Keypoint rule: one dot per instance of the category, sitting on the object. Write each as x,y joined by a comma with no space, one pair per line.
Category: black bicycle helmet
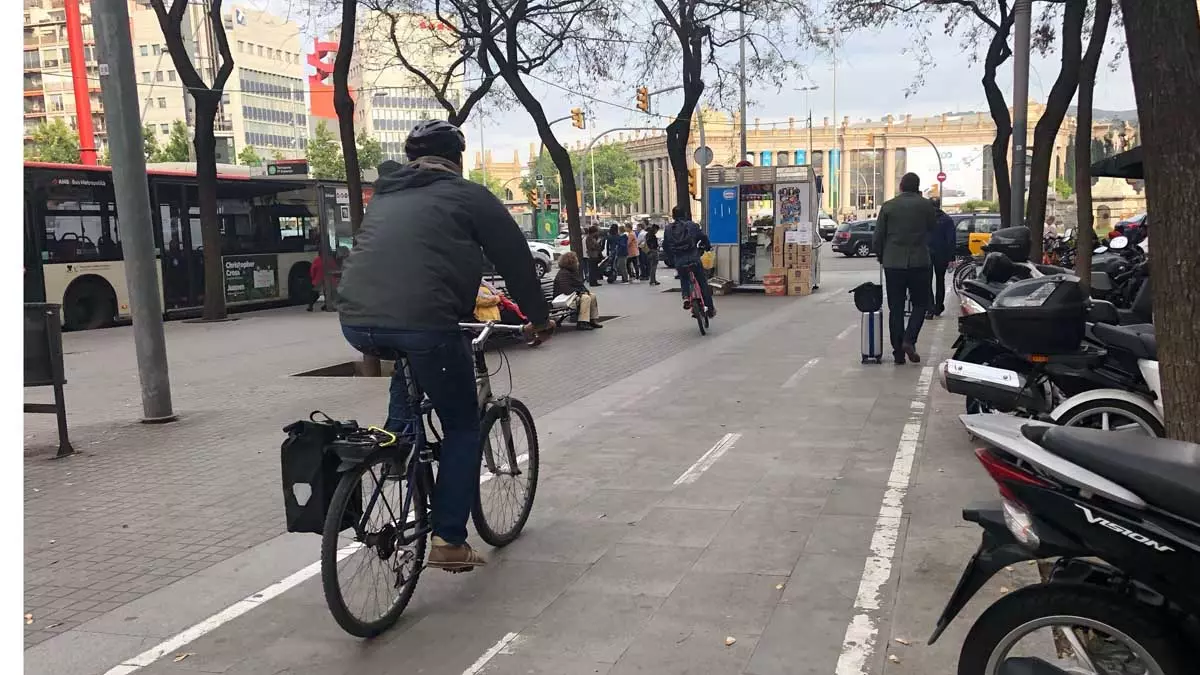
435,137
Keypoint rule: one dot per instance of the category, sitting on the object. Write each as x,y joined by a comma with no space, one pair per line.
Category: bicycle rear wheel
508,480
373,545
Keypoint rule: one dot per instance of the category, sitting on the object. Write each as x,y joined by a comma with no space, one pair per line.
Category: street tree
249,157
370,152
207,101
419,43
617,178
150,143
524,37
53,142
277,155
491,183
1163,40
694,34
178,147
1085,235
324,157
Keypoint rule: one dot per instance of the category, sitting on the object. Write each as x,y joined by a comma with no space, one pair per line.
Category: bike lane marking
707,459
862,632
502,646
795,378
240,607
846,332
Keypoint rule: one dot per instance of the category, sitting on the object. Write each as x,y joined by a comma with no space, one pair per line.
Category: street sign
704,155
941,176
540,181
288,168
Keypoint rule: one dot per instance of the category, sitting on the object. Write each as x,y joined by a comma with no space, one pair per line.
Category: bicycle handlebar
486,329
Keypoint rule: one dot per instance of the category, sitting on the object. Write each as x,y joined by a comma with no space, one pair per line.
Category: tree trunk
1085,236
1046,130
1164,59
206,183
998,53
343,103
680,129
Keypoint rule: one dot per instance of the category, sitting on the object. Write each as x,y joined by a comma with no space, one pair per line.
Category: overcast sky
872,74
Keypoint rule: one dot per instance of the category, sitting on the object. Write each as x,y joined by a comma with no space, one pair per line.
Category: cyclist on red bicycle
412,276
684,241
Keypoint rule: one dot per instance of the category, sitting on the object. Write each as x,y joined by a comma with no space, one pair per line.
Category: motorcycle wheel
1112,415
1102,632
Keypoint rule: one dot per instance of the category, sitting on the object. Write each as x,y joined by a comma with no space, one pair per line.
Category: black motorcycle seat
1162,472
1137,339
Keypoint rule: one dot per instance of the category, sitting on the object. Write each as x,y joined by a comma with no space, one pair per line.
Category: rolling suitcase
868,298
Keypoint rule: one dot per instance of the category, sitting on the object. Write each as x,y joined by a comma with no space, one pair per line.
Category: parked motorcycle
1120,518
1043,351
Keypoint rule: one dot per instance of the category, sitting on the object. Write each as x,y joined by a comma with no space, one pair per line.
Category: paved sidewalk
144,507
624,566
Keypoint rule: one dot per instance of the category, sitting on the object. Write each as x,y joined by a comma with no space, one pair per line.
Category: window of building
157,50
162,102
170,75
260,50
146,76
144,50
241,46
158,76
164,129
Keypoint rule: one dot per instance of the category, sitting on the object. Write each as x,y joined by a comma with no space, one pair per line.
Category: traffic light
532,196
643,99
871,139
577,118
692,187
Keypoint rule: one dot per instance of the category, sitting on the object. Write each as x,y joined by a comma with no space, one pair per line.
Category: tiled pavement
619,571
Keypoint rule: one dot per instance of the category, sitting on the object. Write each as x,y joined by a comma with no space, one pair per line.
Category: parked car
972,231
854,238
826,226
543,256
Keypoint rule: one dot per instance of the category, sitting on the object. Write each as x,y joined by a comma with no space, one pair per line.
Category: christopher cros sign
250,277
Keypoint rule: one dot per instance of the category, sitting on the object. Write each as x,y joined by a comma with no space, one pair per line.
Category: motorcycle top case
310,474
1014,242
1045,315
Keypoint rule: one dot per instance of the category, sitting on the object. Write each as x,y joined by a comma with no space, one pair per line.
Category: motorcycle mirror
1118,243
1100,249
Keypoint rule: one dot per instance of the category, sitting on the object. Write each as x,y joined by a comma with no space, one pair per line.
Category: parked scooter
1120,517
1044,360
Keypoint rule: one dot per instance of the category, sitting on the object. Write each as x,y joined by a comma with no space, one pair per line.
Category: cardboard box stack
791,259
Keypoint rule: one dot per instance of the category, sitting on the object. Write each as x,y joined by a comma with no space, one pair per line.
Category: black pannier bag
310,473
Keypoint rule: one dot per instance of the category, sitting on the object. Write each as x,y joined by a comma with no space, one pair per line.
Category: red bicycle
696,302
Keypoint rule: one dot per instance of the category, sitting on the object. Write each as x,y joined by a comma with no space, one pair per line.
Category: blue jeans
444,367
685,284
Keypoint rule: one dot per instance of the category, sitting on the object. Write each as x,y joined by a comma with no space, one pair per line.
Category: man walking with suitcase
902,233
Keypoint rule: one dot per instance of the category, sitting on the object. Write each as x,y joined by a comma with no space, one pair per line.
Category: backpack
679,240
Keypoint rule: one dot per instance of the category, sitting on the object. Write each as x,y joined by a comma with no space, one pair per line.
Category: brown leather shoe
452,558
910,350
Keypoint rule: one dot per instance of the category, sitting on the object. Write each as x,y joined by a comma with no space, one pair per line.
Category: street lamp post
808,106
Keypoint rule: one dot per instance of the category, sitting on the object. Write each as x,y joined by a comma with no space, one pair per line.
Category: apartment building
389,100
263,103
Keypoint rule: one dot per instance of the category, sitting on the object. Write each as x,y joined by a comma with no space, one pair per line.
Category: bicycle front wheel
373,545
508,480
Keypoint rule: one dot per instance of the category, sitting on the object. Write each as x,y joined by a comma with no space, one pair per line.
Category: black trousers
902,284
939,285
593,265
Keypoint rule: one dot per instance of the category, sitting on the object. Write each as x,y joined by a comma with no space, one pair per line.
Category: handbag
565,301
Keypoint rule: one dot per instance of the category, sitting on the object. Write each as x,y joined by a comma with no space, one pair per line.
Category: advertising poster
963,165
791,211
250,277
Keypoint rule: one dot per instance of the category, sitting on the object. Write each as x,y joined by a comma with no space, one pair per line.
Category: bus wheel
89,303
299,285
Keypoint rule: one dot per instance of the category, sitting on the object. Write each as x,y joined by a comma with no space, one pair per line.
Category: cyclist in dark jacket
684,240
941,253
412,275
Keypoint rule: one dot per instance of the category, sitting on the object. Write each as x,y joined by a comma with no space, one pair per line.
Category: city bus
271,229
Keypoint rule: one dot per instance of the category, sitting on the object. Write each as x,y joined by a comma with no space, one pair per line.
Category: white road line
862,633
834,295
795,378
845,333
240,607
501,646
222,617
707,459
